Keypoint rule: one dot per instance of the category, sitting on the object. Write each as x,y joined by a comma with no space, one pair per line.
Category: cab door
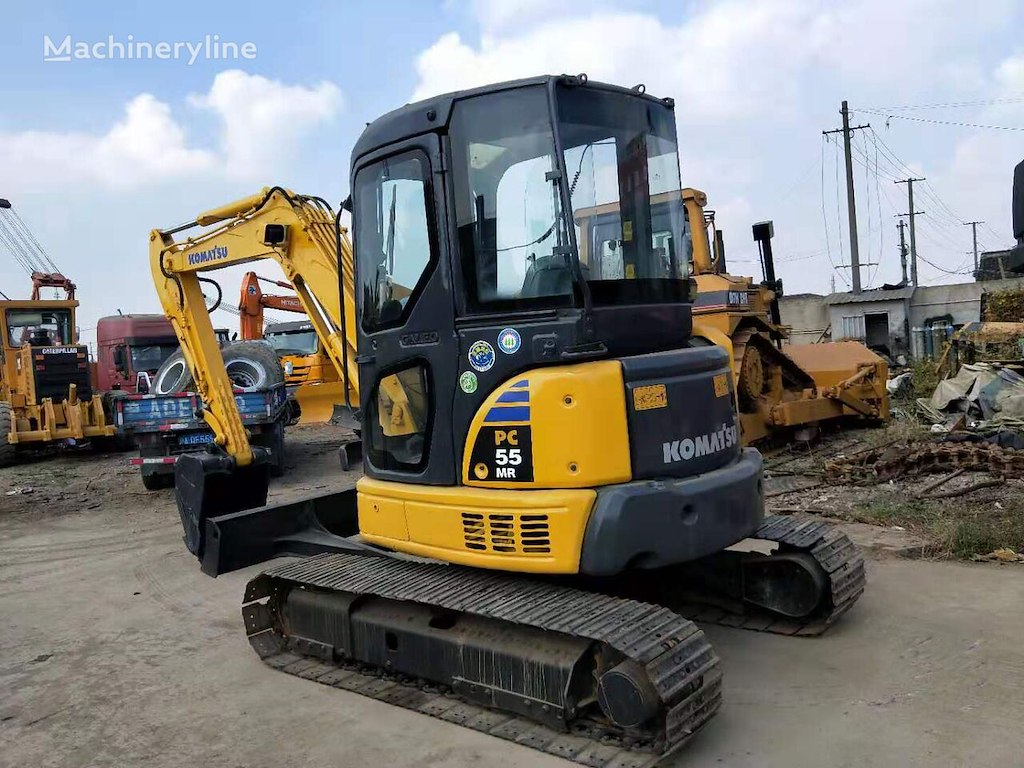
407,347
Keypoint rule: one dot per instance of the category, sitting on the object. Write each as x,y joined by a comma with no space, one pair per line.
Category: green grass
958,527
924,377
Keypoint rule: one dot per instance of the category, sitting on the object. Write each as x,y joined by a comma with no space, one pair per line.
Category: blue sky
94,154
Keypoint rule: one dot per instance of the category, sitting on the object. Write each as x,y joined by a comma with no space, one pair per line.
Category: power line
803,175
912,214
848,131
824,218
839,218
878,204
974,231
889,117
867,199
948,105
928,192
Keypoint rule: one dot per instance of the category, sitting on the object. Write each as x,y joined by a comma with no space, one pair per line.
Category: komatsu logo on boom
217,253
702,445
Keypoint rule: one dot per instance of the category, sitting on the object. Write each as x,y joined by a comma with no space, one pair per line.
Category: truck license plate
197,439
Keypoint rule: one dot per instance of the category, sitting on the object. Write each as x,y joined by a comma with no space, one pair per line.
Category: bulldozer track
752,340
832,549
888,462
674,653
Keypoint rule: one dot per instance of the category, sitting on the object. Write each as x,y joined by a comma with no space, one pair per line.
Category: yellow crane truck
527,554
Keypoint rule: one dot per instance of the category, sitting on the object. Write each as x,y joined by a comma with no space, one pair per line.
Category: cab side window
393,238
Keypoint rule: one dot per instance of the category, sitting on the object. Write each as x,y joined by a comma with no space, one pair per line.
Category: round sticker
467,381
509,341
481,355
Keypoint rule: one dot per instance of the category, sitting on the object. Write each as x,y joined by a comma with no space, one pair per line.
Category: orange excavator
252,301
310,376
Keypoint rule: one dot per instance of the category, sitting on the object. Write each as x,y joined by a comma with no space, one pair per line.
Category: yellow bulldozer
780,387
46,382
46,395
558,488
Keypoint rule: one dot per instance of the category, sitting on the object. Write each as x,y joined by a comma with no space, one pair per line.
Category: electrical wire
824,216
889,117
949,105
803,175
867,199
839,218
878,204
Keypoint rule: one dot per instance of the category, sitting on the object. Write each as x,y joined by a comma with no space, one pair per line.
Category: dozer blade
319,401
210,484
308,526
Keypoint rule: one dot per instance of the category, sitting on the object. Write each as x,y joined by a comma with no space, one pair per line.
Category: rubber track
678,659
834,552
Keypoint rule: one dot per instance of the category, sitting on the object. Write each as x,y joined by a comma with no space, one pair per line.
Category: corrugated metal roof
866,296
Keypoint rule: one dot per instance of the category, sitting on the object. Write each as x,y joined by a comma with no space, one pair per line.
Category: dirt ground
961,515
116,650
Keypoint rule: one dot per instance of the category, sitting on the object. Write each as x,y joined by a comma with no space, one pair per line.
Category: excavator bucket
318,402
208,485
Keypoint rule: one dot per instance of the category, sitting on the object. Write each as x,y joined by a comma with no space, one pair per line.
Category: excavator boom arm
295,231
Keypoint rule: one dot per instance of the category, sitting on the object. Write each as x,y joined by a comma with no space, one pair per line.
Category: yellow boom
296,231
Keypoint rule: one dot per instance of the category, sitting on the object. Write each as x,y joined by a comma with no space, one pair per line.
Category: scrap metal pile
902,458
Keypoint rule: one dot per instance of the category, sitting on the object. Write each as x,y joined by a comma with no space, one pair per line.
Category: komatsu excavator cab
524,366
505,380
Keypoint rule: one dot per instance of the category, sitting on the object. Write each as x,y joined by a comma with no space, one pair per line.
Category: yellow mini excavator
553,476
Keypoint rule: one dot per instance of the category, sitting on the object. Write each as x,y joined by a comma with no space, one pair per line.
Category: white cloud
755,83
982,162
260,124
263,121
146,144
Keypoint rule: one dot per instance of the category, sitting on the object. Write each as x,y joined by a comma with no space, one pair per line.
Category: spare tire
253,364
250,364
173,376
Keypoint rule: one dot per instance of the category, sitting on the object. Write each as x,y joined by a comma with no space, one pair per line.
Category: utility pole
974,231
851,203
903,252
913,231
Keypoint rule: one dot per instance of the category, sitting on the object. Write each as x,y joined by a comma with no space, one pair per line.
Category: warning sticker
721,385
650,397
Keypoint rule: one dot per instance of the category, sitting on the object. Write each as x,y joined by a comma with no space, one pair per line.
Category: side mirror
121,359
346,204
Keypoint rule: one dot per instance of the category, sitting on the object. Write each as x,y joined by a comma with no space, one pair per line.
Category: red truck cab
127,345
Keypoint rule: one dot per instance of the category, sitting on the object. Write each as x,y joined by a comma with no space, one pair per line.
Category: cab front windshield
151,356
293,342
48,327
622,167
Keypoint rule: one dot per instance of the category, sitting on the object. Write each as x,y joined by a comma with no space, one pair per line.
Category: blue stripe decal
513,413
522,384
514,397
